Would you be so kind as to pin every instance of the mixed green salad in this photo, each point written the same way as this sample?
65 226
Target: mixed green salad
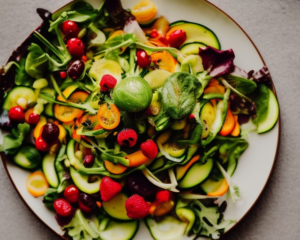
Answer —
122 116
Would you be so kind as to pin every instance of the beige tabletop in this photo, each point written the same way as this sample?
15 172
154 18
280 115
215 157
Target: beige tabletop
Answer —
274 26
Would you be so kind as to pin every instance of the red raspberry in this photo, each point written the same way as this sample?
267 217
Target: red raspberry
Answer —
127 138
149 149
107 82
109 189
137 207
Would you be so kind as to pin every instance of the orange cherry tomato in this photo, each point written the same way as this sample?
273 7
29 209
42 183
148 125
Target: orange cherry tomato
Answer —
164 60
144 11
108 116
68 114
37 184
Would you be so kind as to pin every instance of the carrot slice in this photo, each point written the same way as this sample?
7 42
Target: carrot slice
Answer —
213 82
237 128
221 190
164 60
137 159
181 170
228 125
37 184
109 116
213 89
114 168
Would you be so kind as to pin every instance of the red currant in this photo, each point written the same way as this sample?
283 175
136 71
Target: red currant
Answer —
33 118
63 75
177 38
76 47
71 193
16 114
41 145
143 59
70 28
62 207
88 161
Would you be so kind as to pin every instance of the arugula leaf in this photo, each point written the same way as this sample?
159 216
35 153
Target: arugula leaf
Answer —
12 142
83 228
22 78
209 221
179 94
36 61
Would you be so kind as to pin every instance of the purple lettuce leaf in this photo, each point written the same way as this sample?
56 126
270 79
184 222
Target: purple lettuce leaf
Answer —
217 62
261 76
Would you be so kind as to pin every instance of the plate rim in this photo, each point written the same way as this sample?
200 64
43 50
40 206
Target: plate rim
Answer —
5 159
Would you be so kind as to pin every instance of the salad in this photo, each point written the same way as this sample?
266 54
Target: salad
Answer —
123 117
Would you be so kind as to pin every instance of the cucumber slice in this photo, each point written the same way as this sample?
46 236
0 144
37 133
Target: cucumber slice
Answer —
211 185
28 157
168 229
49 170
192 48
272 114
120 231
82 182
196 33
197 173
207 117
71 154
116 207
16 93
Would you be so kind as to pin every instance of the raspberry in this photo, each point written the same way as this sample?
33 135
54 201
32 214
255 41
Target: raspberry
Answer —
127 138
109 188
149 149
107 83
137 207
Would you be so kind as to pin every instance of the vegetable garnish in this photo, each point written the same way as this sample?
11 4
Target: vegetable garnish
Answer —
131 117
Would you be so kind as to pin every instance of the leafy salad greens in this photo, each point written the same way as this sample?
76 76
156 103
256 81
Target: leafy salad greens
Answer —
122 116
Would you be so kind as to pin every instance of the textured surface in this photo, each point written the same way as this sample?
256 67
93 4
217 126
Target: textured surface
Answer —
274 27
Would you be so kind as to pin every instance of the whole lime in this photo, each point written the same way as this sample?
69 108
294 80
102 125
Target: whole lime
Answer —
132 94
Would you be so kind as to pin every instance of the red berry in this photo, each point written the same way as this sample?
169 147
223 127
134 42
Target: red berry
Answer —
109 188
88 161
163 196
16 114
137 207
154 33
63 75
41 145
84 58
192 118
84 208
149 149
33 118
70 28
177 38
143 59
107 82
127 138
76 47
62 207
71 193
50 133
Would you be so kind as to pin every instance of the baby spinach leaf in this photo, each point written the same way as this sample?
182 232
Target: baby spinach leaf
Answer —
179 94
243 85
22 78
36 61
13 141
262 102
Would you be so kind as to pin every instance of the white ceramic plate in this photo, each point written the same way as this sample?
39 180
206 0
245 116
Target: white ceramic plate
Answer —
255 165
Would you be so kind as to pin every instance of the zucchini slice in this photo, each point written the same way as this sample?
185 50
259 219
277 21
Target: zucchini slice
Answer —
197 173
82 182
28 158
192 48
16 93
196 33
116 207
168 229
120 230
49 170
271 117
